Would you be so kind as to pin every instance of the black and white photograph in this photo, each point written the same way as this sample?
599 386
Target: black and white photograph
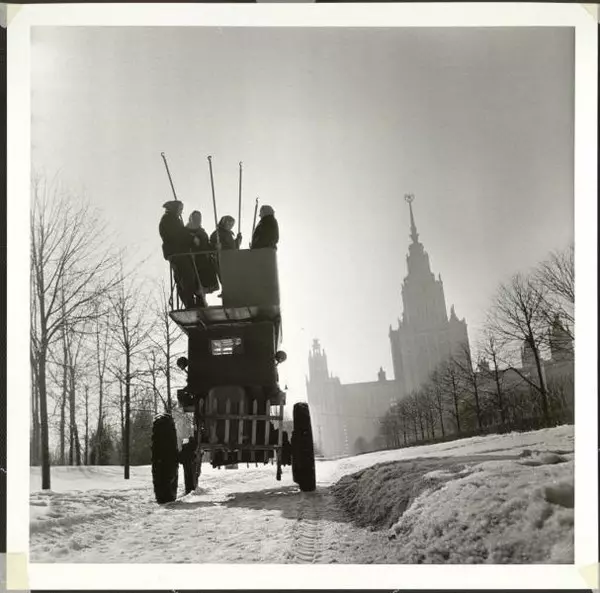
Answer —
304 295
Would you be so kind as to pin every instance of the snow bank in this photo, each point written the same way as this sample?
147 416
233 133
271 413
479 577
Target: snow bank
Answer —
479 509
501 512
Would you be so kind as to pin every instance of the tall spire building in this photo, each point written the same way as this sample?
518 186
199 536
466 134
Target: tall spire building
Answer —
425 335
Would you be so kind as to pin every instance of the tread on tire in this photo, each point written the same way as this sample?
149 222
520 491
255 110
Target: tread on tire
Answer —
303 453
165 459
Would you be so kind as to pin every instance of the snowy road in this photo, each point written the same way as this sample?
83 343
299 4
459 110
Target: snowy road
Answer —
240 516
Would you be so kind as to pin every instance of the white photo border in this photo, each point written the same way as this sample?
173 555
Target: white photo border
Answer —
206 576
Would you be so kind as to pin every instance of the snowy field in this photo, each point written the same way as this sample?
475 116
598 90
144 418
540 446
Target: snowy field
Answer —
496 499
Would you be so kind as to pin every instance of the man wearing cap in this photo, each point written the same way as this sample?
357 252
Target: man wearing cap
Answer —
266 233
177 241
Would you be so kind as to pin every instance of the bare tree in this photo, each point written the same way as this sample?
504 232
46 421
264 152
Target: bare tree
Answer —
86 400
153 369
131 334
469 377
428 402
436 397
35 392
450 376
556 276
74 348
70 268
150 377
409 410
166 340
518 315
493 374
64 393
102 345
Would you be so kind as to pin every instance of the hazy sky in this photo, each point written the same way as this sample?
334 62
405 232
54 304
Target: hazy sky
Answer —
334 126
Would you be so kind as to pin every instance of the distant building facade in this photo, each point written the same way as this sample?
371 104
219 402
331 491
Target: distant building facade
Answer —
347 417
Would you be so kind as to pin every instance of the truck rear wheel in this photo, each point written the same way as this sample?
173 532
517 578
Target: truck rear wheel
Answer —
191 461
165 461
303 453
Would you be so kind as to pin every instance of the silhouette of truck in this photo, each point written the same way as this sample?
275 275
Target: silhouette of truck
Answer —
232 391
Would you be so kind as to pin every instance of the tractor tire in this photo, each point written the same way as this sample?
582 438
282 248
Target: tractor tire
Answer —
165 459
303 452
191 462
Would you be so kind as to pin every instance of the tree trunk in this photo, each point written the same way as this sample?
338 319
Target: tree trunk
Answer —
127 413
87 425
35 413
44 420
420 417
477 402
75 444
455 401
404 431
441 415
154 392
543 390
431 422
499 394
427 427
63 416
122 410
456 414
97 444
71 424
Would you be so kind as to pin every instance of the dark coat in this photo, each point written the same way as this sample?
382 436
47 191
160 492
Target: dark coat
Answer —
205 264
176 238
266 233
227 239
203 240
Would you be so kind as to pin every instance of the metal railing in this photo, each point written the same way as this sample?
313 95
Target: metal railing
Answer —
222 435
212 258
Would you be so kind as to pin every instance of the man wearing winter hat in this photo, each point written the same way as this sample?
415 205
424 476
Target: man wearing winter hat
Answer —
176 241
266 233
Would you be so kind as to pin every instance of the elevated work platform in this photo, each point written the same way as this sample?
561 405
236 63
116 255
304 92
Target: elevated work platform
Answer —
205 317
249 291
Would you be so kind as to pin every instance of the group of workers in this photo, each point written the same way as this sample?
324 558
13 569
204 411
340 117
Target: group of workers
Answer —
192 253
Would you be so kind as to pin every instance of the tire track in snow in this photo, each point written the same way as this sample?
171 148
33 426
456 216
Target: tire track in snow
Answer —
308 529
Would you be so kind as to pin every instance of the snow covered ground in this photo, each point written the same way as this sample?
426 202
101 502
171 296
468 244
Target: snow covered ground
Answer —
501 498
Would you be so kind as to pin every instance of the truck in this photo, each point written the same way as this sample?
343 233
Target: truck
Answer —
232 397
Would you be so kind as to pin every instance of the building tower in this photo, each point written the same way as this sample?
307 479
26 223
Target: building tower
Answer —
425 336
317 363
324 398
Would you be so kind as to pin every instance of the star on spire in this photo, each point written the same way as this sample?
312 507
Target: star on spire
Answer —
409 198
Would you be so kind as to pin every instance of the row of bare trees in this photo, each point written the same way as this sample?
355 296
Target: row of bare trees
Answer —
101 345
520 374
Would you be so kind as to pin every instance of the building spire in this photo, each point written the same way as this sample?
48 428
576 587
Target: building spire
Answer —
413 227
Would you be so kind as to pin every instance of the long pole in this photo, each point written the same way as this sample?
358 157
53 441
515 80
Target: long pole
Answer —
240 202
162 154
212 185
254 221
